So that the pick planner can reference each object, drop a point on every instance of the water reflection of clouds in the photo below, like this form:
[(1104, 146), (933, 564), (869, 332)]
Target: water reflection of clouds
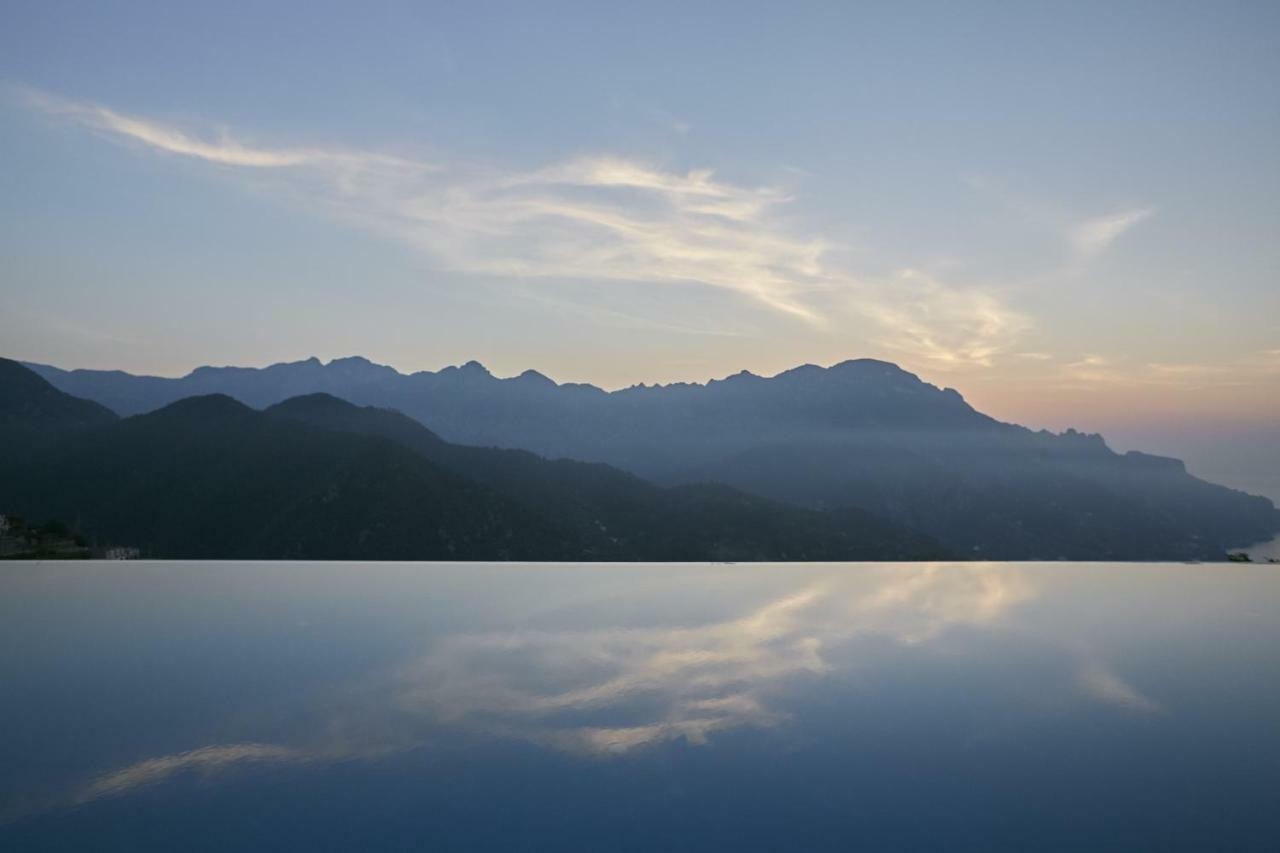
[(208, 759), (687, 682), (690, 682), (612, 690), (1100, 682)]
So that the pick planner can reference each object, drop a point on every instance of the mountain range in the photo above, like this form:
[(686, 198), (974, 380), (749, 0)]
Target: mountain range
[(859, 435), (315, 477)]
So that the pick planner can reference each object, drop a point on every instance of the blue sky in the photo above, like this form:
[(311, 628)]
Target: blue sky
[(1067, 211)]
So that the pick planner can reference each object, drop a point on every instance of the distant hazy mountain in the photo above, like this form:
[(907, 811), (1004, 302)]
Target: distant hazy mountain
[(617, 515), (862, 434), (320, 478)]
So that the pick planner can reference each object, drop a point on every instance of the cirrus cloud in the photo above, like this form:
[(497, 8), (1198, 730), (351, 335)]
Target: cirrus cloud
[(603, 218), (1094, 236)]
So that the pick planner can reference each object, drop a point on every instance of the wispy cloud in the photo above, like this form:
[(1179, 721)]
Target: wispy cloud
[(1187, 371), (223, 149), (1094, 236), (608, 219), (1094, 370), (1091, 372), (602, 219), (948, 327), (1267, 361), (1087, 238)]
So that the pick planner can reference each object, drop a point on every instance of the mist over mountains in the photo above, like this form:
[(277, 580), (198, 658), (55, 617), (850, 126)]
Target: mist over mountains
[(316, 477), (862, 435)]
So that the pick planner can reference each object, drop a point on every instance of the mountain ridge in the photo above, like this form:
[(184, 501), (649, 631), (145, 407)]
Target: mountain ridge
[(368, 369), (319, 478), (861, 434)]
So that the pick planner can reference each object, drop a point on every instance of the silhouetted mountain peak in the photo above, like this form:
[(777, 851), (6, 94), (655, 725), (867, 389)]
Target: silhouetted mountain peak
[(360, 367), (19, 380), (1083, 439), (317, 402), (533, 377), (471, 371), (866, 371), (329, 412), (802, 371), (29, 401), (353, 362), (204, 408), (869, 365), (855, 369), (584, 388), (307, 365)]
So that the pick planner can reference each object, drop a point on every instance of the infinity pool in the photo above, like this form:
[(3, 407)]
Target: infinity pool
[(368, 706)]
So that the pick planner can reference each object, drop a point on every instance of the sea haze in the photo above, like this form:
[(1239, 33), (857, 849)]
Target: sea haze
[(269, 706)]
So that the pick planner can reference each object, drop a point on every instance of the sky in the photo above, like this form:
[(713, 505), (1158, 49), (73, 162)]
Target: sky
[(1068, 212)]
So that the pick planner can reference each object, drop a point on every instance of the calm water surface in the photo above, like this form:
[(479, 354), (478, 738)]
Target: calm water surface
[(275, 706)]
